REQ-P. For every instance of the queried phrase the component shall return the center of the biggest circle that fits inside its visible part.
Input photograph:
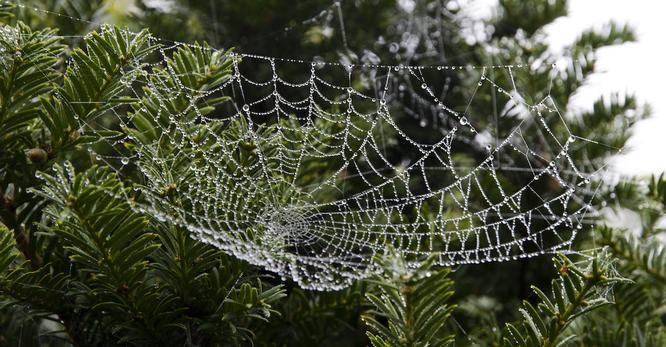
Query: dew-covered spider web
(301, 176)
(312, 178)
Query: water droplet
(424, 86)
(423, 123)
(246, 108)
(464, 121)
(125, 161)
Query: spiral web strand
(302, 177)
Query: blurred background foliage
(182, 292)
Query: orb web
(313, 178)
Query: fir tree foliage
(80, 266)
(108, 272)
(578, 290)
(638, 316)
(414, 302)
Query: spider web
(313, 179)
(300, 177)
